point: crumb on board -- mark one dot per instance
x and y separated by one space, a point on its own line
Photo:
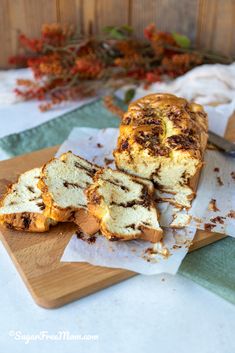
150 251
209 226
108 161
233 175
176 246
216 170
231 214
150 259
179 241
99 145
157 249
218 219
90 239
197 219
219 181
212 206
180 220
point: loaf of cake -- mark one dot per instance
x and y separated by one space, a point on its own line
22 206
124 206
62 183
163 139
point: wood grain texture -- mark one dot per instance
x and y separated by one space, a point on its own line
210 23
70 12
215 26
168 15
26 16
37 256
5 33
100 13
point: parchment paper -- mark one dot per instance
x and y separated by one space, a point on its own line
96 146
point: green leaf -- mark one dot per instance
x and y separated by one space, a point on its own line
115 33
118 32
127 28
182 40
108 29
129 95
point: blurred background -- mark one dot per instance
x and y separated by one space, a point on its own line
208 23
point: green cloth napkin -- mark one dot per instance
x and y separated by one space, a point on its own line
213 266
55 131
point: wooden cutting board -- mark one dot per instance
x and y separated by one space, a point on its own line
37 255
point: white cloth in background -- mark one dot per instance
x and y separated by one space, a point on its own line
205 84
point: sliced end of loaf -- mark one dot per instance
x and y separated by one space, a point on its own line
22 206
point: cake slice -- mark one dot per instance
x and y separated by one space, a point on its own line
22 206
62 182
124 206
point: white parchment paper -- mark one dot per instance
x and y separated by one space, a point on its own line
96 145
136 255
214 206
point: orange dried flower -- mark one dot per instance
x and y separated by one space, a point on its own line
129 61
112 107
34 45
66 69
88 66
56 34
178 64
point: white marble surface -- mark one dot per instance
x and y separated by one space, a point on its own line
144 314
158 313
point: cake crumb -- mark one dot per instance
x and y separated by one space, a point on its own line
212 206
90 239
209 226
218 219
180 220
219 181
108 161
175 246
231 214
197 219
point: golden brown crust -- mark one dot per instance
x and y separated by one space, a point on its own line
26 221
146 123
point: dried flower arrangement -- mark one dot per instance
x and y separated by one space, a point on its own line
68 67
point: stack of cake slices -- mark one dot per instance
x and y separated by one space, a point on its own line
71 189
